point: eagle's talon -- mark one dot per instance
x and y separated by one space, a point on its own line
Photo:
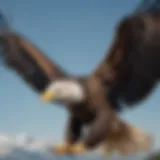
69 149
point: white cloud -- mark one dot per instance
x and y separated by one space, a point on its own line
5 144
4 139
22 141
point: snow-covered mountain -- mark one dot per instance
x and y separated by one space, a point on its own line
22 141
22 154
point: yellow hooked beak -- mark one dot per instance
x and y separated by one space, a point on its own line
48 96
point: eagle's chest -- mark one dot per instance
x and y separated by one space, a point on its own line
84 114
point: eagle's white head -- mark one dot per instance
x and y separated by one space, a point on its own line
64 91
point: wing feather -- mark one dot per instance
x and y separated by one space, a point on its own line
107 69
20 55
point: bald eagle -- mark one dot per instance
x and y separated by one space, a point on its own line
86 97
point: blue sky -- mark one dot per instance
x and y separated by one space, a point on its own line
76 34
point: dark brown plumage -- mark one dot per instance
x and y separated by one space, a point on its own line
134 59
96 111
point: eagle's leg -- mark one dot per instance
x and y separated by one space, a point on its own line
104 114
98 130
72 136
74 130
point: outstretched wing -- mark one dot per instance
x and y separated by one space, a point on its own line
107 69
22 56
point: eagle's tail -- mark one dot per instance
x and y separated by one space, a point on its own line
126 139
